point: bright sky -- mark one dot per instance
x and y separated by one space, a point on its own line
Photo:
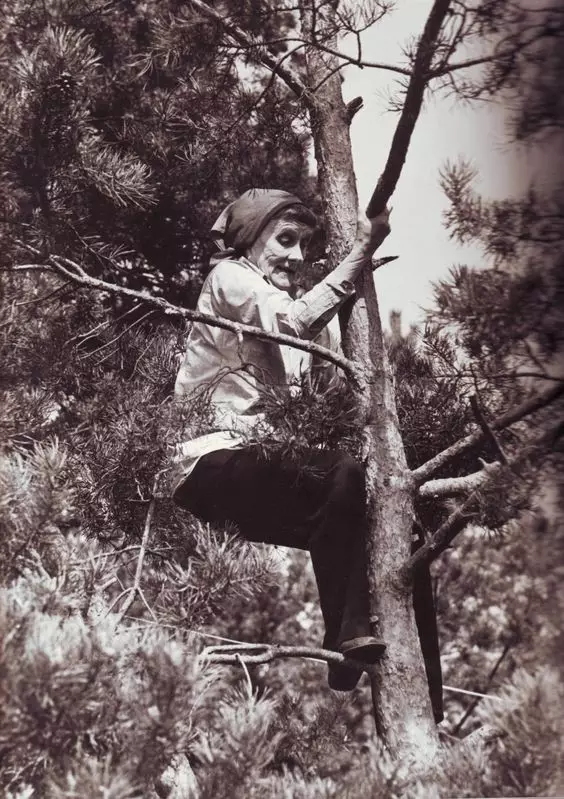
445 130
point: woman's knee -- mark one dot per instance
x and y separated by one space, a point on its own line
347 483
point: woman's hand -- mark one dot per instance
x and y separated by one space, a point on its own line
370 233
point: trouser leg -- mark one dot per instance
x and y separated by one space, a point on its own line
314 501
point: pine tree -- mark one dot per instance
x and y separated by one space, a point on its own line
119 129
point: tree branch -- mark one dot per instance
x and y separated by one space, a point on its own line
510 52
420 76
255 654
442 537
76 273
489 680
136 587
469 62
260 51
116 338
28 268
454 486
489 434
456 522
354 61
479 739
426 470
44 297
378 262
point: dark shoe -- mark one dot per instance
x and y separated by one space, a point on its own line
366 650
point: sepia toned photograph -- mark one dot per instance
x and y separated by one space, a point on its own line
281 402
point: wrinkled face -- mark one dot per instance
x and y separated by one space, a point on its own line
279 251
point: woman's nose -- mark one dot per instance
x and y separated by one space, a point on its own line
296 255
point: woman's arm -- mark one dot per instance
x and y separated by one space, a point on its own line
243 295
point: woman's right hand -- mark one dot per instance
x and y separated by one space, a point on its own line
370 233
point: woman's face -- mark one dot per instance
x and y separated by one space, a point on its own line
279 251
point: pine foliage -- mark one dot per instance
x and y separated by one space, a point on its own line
529 758
123 134
124 129
505 322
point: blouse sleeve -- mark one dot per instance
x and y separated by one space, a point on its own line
241 295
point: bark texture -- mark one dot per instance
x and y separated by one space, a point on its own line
402 708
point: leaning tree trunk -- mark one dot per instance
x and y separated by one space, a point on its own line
402 707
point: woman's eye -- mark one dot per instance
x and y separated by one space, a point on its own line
285 240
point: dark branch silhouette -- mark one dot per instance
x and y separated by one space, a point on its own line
420 75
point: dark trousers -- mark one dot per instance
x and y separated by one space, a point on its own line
313 501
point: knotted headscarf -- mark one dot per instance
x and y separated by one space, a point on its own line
239 225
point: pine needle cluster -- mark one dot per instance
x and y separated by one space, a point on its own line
308 414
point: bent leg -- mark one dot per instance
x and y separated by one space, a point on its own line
313 501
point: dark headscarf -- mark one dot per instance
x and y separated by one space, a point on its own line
239 225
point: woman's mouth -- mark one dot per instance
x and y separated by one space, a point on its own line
290 270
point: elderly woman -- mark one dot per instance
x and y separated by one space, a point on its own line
313 501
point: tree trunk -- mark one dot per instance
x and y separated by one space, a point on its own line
403 714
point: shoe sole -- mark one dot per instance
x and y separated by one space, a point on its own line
366 650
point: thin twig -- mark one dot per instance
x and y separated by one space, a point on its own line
100 326
357 61
116 338
532 355
470 693
489 434
256 49
44 297
497 54
255 654
27 268
478 697
114 553
387 259
248 680
136 587
140 357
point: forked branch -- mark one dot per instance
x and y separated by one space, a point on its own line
459 518
529 406
256 654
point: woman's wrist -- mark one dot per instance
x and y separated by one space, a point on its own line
370 233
